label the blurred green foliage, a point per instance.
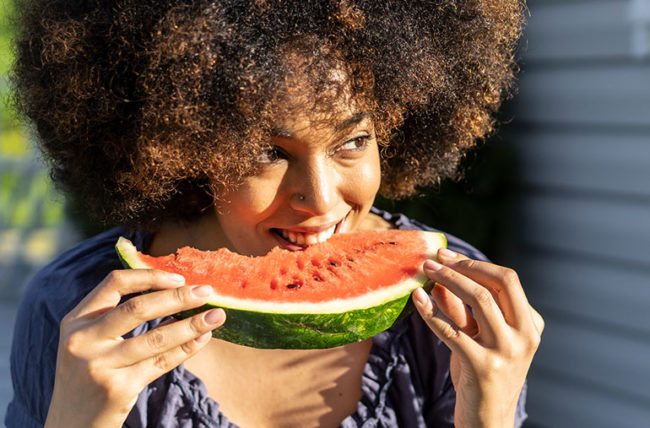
(6, 32)
(27, 197)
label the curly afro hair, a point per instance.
(150, 109)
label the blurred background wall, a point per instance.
(581, 132)
(33, 227)
(33, 223)
(562, 193)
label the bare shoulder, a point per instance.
(374, 222)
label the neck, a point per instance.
(204, 233)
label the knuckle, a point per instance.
(135, 307)
(448, 331)
(533, 341)
(156, 275)
(181, 295)
(482, 297)
(108, 386)
(494, 365)
(162, 362)
(73, 344)
(469, 264)
(510, 277)
(514, 351)
(449, 276)
(116, 276)
(156, 340)
(197, 325)
(188, 348)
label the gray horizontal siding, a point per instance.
(582, 134)
(585, 30)
(606, 294)
(561, 402)
(588, 354)
(602, 161)
(612, 230)
(586, 95)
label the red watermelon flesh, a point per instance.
(319, 273)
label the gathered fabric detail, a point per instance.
(372, 409)
(186, 401)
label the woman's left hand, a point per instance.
(492, 346)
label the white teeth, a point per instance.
(307, 238)
(300, 238)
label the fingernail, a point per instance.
(202, 290)
(447, 253)
(176, 278)
(432, 265)
(421, 296)
(213, 316)
(203, 338)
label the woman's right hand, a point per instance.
(99, 374)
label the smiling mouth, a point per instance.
(305, 239)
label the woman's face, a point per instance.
(313, 182)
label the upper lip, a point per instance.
(311, 229)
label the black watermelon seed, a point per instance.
(392, 243)
(293, 286)
(334, 264)
(350, 259)
(317, 279)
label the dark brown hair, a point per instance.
(149, 109)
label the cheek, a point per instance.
(364, 180)
(251, 199)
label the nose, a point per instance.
(314, 187)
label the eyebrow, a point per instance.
(347, 123)
(352, 120)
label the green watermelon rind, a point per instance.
(277, 330)
(304, 331)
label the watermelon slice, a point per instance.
(344, 290)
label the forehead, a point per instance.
(302, 124)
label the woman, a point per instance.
(248, 126)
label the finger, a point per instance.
(485, 310)
(502, 282)
(454, 308)
(119, 283)
(154, 367)
(166, 338)
(146, 307)
(537, 320)
(446, 330)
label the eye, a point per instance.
(271, 154)
(355, 144)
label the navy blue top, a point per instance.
(406, 381)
